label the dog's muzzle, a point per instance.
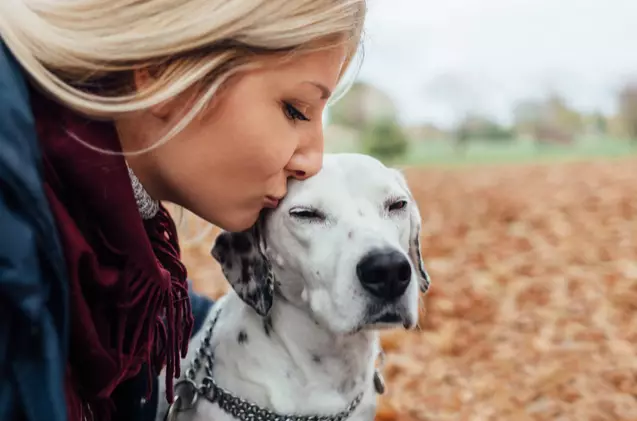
(384, 273)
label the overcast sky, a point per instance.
(499, 51)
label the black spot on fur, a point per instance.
(222, 249)
(350, 235)
(241, 243)
(317, 359)
(242, 338)
(245, 270)
(223, 241)
(347, 386)
(267, 326)
(261, 269)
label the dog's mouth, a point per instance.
(387, 317)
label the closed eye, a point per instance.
(293, 113)
(307, 214)
(397, 205)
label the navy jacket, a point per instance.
(33, 294)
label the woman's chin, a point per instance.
(239, 221)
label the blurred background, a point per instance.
(494, 80)
(516, 123)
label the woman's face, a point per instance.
(234, 159)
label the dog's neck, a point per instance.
(290, 364)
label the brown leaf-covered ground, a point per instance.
(532, 313)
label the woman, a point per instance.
(108, 108)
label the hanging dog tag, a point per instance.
(379, 382)
(185, 399)
(171, 414)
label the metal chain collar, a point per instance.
(187, 392)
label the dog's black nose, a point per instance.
(384, 273)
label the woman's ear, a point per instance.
(143, 80)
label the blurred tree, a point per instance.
(595, 124)
(628, 109)
(615, 126)
(475, 127)
(551, 134)
(385, 140)
(601, 123)
(527, 116)
(425, 132)
(360, 106)
(560, 115)
(461, 139)
(551, 120)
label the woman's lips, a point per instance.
(271, 202)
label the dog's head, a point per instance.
(343, 244)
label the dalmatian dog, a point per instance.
(313, 283)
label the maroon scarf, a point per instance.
(128, 293)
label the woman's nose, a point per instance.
(305, 164)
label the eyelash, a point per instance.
(292, 113)
(307, 214)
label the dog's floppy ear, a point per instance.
(415, 254)
(245, 265)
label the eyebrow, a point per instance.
(325, 92)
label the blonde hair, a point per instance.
(83, 52)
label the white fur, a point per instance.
(320, 353)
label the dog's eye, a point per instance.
(307, 214)
(397, 205)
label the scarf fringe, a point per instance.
(128, 289)
(175, 329)
(160, 308)
(164, 342)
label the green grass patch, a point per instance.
(485, 152)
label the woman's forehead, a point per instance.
(318, 69)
